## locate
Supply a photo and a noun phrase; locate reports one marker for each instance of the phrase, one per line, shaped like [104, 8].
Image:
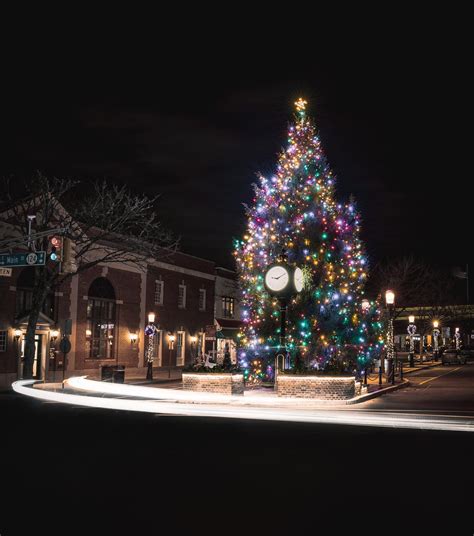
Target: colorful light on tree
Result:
[295, 211]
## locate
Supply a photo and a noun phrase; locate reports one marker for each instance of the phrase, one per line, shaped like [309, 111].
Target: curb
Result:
[380, 392]
[424, 367]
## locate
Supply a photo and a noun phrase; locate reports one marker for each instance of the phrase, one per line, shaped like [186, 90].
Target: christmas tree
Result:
[330, 324]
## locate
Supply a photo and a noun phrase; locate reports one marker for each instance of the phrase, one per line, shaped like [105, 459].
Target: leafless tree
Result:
[106, 225]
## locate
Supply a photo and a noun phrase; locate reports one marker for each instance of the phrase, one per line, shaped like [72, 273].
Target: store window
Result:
[227, 307]
[101, 311]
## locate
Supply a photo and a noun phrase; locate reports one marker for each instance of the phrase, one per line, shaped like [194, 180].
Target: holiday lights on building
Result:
[296, 211]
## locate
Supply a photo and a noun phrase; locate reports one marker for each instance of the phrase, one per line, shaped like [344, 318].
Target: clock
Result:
[277, 278]
[298, 279]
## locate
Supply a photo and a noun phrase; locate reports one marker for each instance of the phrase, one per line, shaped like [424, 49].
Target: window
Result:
[101, 319]
[158, 348]
[182, 296]
[24, 295]
[227, 307]
[159, 284]
[202, 299]
[3, 341]
[180, 348]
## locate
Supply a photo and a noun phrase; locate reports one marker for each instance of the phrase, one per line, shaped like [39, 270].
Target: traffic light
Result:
[55, 253]
[68, 260]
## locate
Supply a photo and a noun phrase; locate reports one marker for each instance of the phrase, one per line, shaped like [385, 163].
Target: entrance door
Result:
[38, 362]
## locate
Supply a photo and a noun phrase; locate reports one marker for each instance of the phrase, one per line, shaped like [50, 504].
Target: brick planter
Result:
[226, 383]
[319, 387]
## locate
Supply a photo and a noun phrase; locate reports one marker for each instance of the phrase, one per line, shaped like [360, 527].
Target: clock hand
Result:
[278, 276]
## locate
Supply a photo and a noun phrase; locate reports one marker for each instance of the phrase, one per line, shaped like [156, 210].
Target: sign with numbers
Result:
[5, 272]
[37, 258]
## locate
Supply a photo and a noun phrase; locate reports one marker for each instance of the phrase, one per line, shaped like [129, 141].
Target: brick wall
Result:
[229, 384]
[319, 387]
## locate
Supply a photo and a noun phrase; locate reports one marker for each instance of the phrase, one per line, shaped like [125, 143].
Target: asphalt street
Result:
[444, 389]
[90, 471]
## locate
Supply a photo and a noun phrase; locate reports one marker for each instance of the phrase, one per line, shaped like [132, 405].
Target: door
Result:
[38, 363]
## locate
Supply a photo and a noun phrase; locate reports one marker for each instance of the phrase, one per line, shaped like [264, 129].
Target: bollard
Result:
[380, 374]
[401, 370]
[365, 376]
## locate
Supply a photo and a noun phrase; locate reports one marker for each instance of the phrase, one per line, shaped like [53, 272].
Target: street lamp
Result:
[390, 301]
[171, 339]
[150, 332]
[411, 329]
[436, 333]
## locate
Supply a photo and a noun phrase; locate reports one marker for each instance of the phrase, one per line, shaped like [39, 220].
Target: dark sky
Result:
[196, 125]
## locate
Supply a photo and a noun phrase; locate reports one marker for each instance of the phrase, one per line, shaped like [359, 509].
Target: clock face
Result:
[277, 278]
[298, 279]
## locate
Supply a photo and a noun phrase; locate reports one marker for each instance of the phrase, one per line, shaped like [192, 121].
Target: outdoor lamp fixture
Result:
[390, 301]
[151, 318]
[133, 337]
[54, 334]
[88, 332]
[436, 333]
[411, 329]
[390, 297]
[193, 339]
[17, 333]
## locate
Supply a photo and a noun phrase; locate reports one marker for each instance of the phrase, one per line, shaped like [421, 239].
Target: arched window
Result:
[24, 295]
[101, 319]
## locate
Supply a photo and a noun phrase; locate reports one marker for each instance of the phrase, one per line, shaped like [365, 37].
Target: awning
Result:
[227, 334]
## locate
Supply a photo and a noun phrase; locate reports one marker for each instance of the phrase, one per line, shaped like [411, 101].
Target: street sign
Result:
[5, 272]
[65, 345]
[37, 258]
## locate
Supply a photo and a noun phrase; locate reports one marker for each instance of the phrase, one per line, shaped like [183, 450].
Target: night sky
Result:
[196, 126]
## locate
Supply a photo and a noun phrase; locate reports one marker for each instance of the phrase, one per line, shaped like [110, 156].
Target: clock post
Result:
[282, 281]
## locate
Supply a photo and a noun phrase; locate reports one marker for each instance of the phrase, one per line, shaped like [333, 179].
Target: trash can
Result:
[113, 373]
[106, 373]
[119, 374]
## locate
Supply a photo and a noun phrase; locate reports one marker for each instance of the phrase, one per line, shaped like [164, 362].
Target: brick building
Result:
[109, 306]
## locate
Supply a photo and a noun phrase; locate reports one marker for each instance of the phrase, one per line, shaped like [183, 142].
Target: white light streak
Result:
[354, 418]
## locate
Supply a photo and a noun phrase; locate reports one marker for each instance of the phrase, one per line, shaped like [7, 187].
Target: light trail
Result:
[192, 397]
[333, 416]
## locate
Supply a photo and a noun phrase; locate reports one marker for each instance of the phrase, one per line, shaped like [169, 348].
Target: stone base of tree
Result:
[226, 383]
[319, 387]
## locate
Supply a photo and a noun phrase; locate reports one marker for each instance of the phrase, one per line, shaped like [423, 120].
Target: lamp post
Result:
[457, 339]
[390, 302]
[411, 329]
[436, 333]
[150, 332]
[171, 339]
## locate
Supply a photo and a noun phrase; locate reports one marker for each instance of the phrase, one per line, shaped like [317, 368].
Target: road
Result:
[444, 389]
[89, 471]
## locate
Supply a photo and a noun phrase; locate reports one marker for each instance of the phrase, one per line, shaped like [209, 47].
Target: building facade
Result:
[107, 308]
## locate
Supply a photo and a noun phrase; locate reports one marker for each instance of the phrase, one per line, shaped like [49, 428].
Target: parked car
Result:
[468, 352]
[454, 357]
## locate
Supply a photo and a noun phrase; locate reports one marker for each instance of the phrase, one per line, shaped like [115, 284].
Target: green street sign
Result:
[36, 258]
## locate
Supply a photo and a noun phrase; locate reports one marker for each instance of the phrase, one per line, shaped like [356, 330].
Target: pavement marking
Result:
[440, 376]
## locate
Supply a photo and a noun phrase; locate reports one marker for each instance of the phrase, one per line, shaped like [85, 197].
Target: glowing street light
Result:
[390, 301]
[436, 333]
[411, 329]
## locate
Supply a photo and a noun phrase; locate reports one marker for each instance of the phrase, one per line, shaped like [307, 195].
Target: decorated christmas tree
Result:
[330, 324]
